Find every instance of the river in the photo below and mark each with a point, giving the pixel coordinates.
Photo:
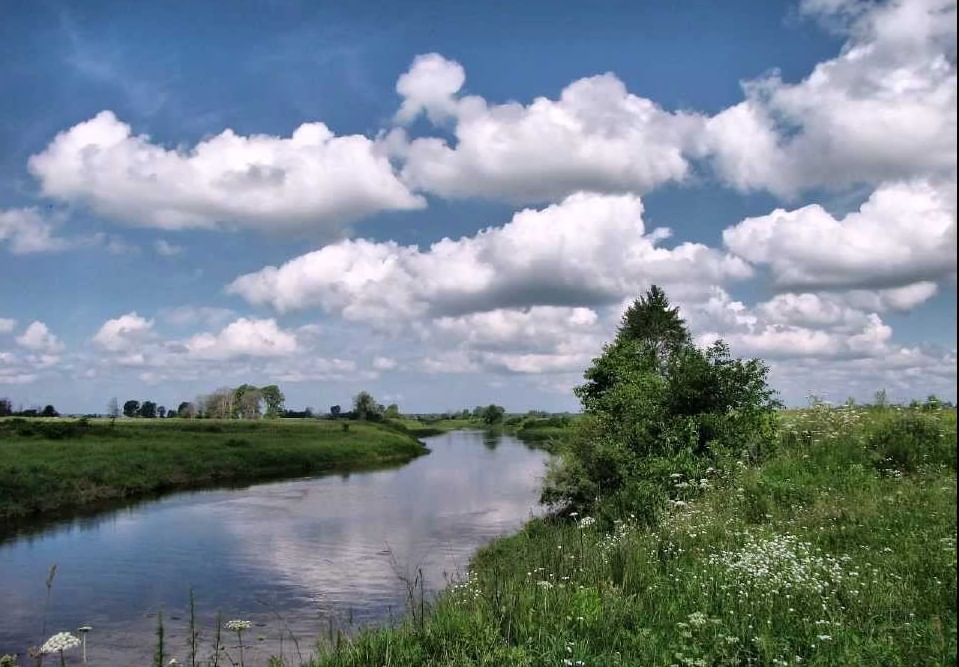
(296, 557)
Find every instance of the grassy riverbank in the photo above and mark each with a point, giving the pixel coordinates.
(47, 466)
(839, 548)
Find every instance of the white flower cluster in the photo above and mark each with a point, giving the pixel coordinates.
(236, 625)
(62, 641)
(782, 562)
(586, 522)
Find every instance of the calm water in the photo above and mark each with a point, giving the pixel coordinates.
(304, 551)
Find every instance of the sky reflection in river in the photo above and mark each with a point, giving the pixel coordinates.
(307, 550)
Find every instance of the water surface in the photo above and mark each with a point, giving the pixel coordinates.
(292, 556)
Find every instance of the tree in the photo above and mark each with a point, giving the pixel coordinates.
(161, 412)
(654, 402)
(6, 407)
(131, 408)
(49, 411)
(218, 404)
(148, 409)
(392, 411)
(247, 401)
(335, 411)
(113, 410)
(274, 400)
(186, 410)
(366, 408)
(492, 414)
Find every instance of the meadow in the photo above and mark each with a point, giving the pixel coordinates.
(839, 548)
(58, 465)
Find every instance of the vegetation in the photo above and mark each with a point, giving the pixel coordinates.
(824, 553)
(699, 525)
(47, 466)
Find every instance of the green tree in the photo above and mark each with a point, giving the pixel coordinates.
(274, 400)
(148, 409)
(492, 414)
(392, 411)
(654, 404)
(366, 408)
(49, 411)
(131, 408)
(247, 402)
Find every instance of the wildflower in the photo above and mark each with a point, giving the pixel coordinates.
(823, 638)
(586, 522)
(236, 625)
(62, 641)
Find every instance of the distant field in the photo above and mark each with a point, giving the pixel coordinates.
(54, 465)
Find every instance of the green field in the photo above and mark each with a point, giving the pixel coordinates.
(48, 466)
(838, 549)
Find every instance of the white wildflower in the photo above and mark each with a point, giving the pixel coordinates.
(62, 641)
(237, 625)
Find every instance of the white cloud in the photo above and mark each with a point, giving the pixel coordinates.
(883, 109)
(124, 333)
(166, 249)
(243, 338)
(384, 363)
(311, 180)
(589, 249)
(26, 231)
(903, 234)
(39, 338)
(7, 325)
(596, 136)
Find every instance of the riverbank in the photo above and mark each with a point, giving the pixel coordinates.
(48, 466)
(839, 548)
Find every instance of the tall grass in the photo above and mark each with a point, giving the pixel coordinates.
(835, 551)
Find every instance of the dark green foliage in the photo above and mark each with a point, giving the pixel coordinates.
(131, 408)
(907, 440)
(657, 405)
(492, 414)
(366, 408)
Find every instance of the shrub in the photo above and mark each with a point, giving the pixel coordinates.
(908, 440)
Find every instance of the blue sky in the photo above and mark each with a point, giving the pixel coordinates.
(174, 217)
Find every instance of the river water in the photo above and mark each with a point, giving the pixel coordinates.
(295, 557)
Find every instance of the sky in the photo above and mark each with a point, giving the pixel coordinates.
(451, 204)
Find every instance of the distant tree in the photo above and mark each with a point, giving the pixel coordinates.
(49, 411)
(186, 410)
(492, 414)
(161, 412)
(366, 408)
(6, 407)
(274, 399)
(148, 409)
(477, 412)
(881, 399)
(392, 411)
(217, 405)
(335, 411)
(131, 408)
(247, 402)
(113, 410)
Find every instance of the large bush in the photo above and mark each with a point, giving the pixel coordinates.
(659, 412)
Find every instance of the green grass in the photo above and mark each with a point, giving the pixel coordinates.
(426, 428)
(828, 553)
(47, 466)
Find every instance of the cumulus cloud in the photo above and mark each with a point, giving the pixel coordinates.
(26, 231)
(905, 233)
(883, 109)
(589, 249)
(126, 332)
(597, 136)
(38, 338)
(312, 180)
(243, 338)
